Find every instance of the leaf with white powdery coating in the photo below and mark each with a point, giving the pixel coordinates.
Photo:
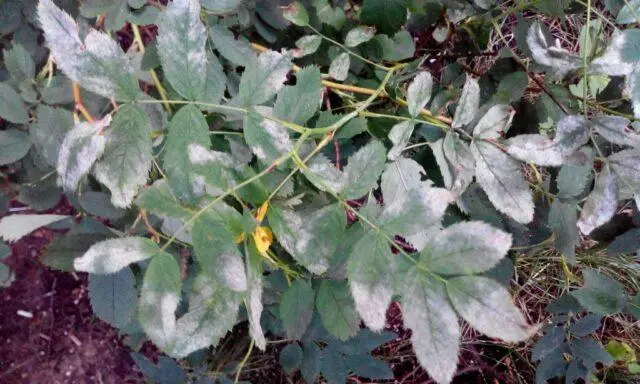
(300, 102)
(296, 308)
(187, 127)
(113, 297)
(253, 302)
(468, 104)
(601, 204)
(617, 130)
(14, 227)
(158, 199)
(82, 146)
(127, 157)
(501, 178)
(400, 135)
(308, 45)
(112, 255)
(339, 68)
(488, 307)
(419, 93)
(370, 269)
(98, 63)
(181, 46)
(435, 332)
(363, 170)
(455, 161)
(268, 139)
(494, 122)
(213, 310)
(466, 248)
(415, 210)
(159, 298)
(399, 177)
(48, 133)
(263, 78)
(557, 58)
(358, 35)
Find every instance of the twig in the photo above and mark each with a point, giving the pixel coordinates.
(79, 105)
(243, 362)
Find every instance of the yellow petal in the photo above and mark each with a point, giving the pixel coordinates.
(263, 238)
(262, 211)
(239, 238)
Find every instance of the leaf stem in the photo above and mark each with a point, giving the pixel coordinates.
(244, 361)
(79, 105)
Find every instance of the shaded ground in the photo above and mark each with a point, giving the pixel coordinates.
(62, 342)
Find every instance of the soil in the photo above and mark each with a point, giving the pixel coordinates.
(62, 342)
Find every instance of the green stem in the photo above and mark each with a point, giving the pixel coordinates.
(244, 361)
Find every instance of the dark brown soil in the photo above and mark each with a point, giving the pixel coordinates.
(62, 342)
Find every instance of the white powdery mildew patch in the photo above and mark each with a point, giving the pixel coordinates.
(372, 301)
(114, 63)
(419, 92)
(61, 35)
(277, 66)
(339, 68)
(329, 175)
(497, 119)
(572, 132)
(601, 204)
(199, 155)
(554, 56)
(158, 318)
(399, 136)
(611, 62)
(535, 148)
(468, 104)
(112, 255)
(232, 272)
(181, 46)
(82, 146)
(254, 307)
(14, 227)
(279, 135)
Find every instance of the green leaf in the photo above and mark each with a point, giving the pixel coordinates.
(435, 332)
(127, 157)
(573, 179)
(419, 93)
(370, 269)
(115, 12)
(98, 63)
(633, 306)
(181, 46)
(113, 297)
(617, 130)
(600, 294)
(19, 63)
(14, 145)
(48, 132)
(334, 365)
(262, 78)
(387, 15)
(336, 306)
(98, 204)
(358, 35)
(629, 13)
(601, 204)
(415, 210)
(468, 104)
(586, 325)
(166, 372)
(308, 45)
(488, 307)
(60, 253)
(14, 227)
(398, 47)
(339, 68)
(466, 248)
(590, 352)
(628, 242)
(311, 360)
(362, 172)
(310, 237)
(159, 298)
(400, 135)
(12, 108)
(188, 127)
(158, 199)
(290, 358)
(455, 161)
(112, 255)
(213, 311)
(268, 139)
(501, 178)
(329, 15)
(366, 366)
(511, 88)
(216, 252)
(296, 308)
(300, 102)
(215, 85)
(82, 146)
(296, 13)
(563, 219)
(238, 51)
(221, 7)
(494, 122)
(558, 59)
